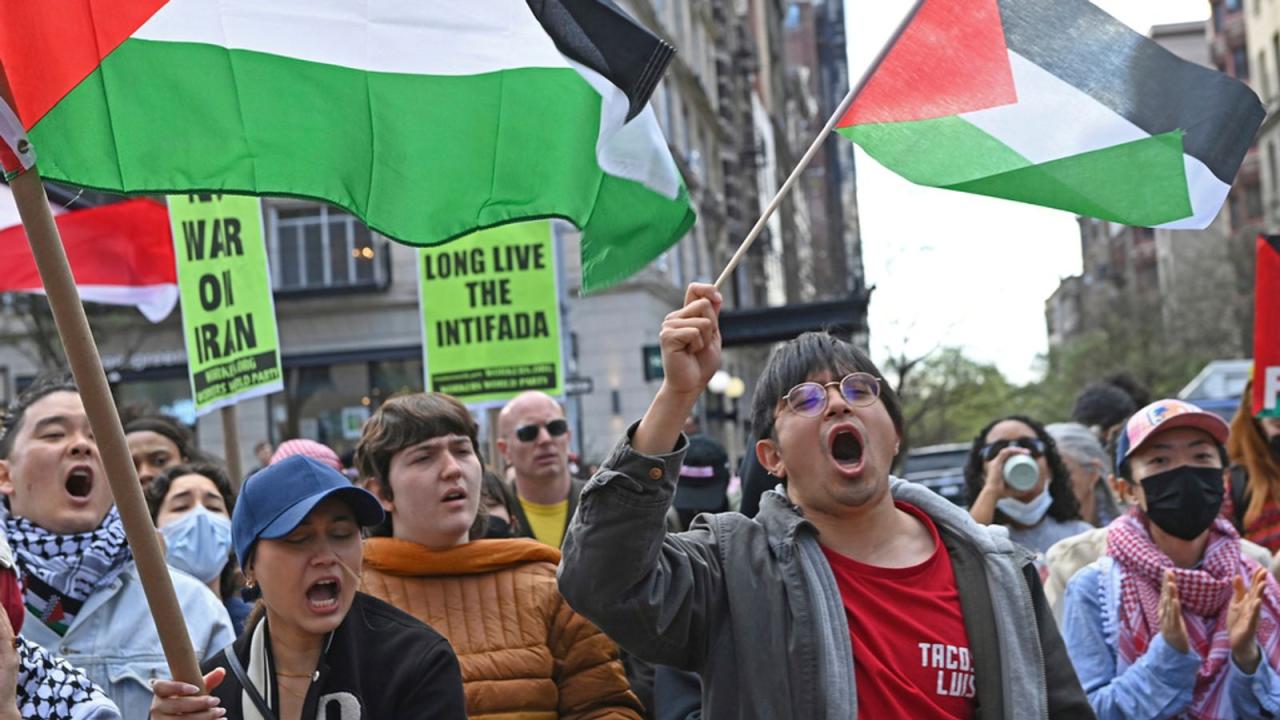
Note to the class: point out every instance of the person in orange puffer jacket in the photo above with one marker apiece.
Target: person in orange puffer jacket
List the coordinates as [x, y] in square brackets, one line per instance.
[524, 652]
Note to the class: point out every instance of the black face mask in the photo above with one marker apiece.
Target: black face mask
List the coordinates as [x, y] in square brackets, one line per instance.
[1274, 443]
[1184, 501]
[497, 528]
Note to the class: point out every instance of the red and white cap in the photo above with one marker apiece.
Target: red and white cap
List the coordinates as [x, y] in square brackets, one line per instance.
[1163, 415]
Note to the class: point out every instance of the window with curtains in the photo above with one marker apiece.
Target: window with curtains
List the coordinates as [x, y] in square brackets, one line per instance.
[316, 247]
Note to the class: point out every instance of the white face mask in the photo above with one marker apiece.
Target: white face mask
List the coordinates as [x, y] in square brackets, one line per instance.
[199, 543]
[1026, 513]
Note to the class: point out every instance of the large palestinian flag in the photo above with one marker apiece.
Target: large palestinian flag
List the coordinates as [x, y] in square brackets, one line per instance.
[1056, 103]
[427, 120]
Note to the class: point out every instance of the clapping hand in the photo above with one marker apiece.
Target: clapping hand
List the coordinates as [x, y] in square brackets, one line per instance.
[1172, 626]
[1242, 620]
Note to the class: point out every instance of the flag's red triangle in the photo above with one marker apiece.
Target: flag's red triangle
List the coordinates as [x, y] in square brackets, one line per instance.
[83, 33]
[951, 59]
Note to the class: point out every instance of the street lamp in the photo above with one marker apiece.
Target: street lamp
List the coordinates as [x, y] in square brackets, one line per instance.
[719, 382]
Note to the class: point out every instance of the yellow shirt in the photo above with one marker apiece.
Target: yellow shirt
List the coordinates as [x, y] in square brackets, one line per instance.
[547, 521]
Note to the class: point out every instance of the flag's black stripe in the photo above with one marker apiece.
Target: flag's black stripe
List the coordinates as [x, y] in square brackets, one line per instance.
[1273, 241]
[1137, 78]
[602, 37]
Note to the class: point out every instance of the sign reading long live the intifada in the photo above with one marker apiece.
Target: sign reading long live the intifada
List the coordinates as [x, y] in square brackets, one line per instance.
[228, 314]
[491, 314]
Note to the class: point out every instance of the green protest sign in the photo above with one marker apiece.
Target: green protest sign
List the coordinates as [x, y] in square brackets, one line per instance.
[228, 315]
[491, 314]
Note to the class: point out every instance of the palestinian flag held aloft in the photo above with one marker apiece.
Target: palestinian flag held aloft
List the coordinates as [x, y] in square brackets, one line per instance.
[1266, 328]
[428, 120]
[120, 254]
[1056, 103]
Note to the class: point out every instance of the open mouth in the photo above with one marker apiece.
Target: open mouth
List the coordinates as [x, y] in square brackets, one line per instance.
[454, 494]
[323, 595]
[846, 446]
[79, 482]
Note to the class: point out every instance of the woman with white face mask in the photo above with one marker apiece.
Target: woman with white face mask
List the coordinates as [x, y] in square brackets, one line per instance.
[1016, 478]
[191, 506]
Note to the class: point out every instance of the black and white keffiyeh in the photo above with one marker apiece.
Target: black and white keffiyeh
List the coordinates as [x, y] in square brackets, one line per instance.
[60, 572]
[50, 687]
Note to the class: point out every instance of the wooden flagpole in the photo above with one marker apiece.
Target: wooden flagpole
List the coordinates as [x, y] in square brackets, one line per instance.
[86, 367]
[817, 144]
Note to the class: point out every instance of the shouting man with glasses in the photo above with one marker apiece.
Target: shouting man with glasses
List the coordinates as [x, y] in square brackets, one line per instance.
[850, 594]
[533, 437]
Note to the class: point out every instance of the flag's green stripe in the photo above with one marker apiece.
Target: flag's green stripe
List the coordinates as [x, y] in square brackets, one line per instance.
[1139, 183]
[940, 152]
[421, 158]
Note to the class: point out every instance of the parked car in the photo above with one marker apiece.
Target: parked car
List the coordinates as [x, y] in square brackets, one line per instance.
[939, 468]
[1218, 387]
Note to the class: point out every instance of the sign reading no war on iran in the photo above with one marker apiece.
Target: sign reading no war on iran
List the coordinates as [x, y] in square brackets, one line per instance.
[491, 314]
[228, 315]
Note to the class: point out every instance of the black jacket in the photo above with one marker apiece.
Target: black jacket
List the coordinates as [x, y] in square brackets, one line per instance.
[390, 663]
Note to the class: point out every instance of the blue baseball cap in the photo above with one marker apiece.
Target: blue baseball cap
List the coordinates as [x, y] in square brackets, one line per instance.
[276, 499]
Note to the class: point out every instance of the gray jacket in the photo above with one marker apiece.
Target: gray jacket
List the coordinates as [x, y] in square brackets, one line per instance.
[753, 607]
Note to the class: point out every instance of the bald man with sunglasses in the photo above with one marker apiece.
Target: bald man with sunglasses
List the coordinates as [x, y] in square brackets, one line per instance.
[533, 437]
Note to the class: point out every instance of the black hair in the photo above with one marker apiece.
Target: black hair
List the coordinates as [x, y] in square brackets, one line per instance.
[42, 387]
[172, 430]
[1127, 383]
[1102, 405]
[1065, 505]
[230, 581]
[798, 360]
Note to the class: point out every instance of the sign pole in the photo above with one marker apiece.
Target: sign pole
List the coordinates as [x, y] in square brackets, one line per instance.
[231, 445]
[86, 367]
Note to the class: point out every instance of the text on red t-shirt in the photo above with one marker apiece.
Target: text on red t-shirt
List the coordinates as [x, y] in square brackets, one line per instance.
[910, 648]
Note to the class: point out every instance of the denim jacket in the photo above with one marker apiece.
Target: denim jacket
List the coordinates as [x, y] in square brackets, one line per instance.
[1159, 684]
[114, 640]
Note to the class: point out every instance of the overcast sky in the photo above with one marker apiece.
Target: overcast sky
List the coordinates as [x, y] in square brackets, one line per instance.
[958, 269]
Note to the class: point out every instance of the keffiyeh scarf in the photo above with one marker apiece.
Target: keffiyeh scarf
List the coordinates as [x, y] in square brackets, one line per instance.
[1205, 593]
[51, 688]
[60, 572]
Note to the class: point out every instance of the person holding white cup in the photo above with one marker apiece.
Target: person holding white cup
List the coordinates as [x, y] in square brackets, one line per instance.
[1016, 478]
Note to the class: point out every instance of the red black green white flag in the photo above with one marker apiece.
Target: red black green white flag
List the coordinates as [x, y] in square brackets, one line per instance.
[1266, 328]
[1055, 103]
[428, 120]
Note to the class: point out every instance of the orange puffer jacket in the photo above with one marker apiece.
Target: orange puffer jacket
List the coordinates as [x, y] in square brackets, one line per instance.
[525, 654]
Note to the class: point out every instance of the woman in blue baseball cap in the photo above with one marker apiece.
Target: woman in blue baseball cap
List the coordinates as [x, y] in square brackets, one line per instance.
[316, 646]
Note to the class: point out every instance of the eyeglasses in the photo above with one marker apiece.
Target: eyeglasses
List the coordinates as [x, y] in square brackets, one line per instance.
[810, 398]
[555, 428]
[1031, 445]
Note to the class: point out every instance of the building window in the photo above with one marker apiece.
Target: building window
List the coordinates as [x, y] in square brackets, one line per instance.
[1240, 63]
[1253, 201]
[1264, 82]
[1271, 171]
[319, 247]
[1275, 53]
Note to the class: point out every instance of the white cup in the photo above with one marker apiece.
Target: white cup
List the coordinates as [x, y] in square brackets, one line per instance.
[1021, 472]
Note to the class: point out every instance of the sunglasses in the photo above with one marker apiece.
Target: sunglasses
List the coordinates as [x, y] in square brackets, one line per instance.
[529, 433]
[810, 398]
[1031, 445]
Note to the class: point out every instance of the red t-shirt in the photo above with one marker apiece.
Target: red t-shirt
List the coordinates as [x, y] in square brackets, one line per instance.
[910, 649]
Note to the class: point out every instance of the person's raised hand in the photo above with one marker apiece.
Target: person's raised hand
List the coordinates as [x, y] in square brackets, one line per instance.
[1172, 625]
[690, 340]
[175, 699]
[1242, 620]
